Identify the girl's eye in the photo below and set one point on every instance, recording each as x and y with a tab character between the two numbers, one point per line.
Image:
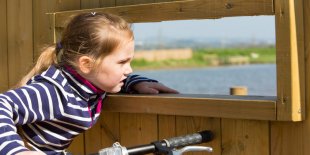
124	61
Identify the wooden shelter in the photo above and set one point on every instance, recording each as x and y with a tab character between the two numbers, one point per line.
244	125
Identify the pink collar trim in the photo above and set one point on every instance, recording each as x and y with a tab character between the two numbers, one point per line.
83	80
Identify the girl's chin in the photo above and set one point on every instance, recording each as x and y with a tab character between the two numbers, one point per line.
115	89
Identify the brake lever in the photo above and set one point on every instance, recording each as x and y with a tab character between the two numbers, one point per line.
191	148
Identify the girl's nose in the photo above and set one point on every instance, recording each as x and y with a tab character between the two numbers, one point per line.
128	70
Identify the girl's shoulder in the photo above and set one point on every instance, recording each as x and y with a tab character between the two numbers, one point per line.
52	75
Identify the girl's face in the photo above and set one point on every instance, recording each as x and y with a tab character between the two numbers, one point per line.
113	69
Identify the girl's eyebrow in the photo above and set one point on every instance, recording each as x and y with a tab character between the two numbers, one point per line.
125	59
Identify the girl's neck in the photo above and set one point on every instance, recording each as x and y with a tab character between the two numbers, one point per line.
84	81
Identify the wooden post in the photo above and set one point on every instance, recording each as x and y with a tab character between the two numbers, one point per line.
290	60
239	90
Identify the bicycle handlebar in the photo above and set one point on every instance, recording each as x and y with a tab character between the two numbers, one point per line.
196	138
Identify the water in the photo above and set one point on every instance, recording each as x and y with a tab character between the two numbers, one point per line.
259	79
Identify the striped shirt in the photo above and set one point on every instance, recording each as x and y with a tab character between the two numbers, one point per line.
52	109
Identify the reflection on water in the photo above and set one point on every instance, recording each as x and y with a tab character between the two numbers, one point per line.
259	79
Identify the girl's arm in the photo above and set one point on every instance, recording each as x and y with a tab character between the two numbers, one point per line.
152	88
131	80
143	85
30	153
10	141
24	105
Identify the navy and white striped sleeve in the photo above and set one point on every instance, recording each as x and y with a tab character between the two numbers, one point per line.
10	141
132	80
21	106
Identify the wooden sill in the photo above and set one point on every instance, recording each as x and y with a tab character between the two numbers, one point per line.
223	106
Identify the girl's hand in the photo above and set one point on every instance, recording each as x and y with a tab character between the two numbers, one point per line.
30	153
152	88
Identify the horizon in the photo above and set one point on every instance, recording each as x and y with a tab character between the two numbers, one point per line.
248	28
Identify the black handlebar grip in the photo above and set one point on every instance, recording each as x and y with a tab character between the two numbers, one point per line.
196	138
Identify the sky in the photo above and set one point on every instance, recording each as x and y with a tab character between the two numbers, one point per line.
251	27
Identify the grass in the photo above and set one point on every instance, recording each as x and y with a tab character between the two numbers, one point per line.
212	57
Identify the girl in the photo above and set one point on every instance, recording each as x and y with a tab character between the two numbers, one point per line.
61	96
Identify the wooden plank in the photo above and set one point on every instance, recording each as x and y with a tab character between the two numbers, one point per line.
290	60
188	125
287	138
92	139
243	137
43	33
132	2
110	127
76	146
166	126
306	123
20	39
180	10
103	134
88	4
245	107
107	3
4	81
163	1
137	129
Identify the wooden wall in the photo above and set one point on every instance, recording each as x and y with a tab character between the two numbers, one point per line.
25	29
3	47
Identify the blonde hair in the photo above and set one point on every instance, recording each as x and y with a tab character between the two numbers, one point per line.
92	34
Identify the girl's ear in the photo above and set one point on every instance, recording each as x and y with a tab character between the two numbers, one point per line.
85	64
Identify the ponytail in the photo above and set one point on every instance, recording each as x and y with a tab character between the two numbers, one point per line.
46	59
91	34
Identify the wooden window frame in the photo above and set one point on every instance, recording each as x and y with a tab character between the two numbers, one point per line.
288	105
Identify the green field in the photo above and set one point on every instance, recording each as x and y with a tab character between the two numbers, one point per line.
213	57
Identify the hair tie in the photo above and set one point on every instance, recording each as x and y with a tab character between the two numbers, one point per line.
93	13
58	47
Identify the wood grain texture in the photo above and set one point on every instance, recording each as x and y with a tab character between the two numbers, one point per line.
77	146
180	10
4	81
93	139
20	39
245	107
110	126
89	4
103	134
306	123
188	125
132	2
290	60
138	129
43	32
289	138
243	137
166	126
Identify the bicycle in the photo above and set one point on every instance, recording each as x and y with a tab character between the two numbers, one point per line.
172	146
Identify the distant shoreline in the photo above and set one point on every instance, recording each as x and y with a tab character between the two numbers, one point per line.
212	58
191	67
